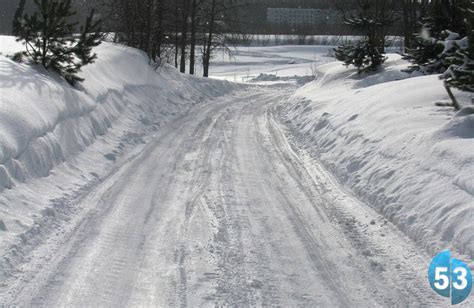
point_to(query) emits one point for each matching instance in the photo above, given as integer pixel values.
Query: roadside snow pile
(273, 79)
(63, 141)
(386, 140)
(44, 121)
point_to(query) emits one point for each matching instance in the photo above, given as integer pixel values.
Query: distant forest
(249, 16)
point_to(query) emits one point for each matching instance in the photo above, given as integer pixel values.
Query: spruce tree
(90, 37)
(372, 19)
(425, 56)
(460, 73)
(48, 35)
(444, 23)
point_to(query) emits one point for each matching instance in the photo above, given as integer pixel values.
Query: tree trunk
(149, 29)
(176, 35)
(192, 56)
(159, 30)
(184, 32)
(452, 97)
(406, 25)
(45, 37)
(208, 46)
(18, 15)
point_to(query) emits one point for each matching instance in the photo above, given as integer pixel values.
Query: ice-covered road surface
(220, 210)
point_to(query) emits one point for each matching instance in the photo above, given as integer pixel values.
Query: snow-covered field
(146, 188)
(245, 64)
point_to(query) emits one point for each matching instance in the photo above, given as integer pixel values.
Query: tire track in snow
(221, 211)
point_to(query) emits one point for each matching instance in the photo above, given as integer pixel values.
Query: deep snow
(382, 134)
(80, 167)
(385, 139)
(61, 140)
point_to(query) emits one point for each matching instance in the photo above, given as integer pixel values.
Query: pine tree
(49, 40)
(90, 37)
(372, 19)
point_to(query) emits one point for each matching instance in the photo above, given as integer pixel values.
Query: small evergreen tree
(363, 55)
(444, 24)
(49, 40)
(372, 20)
(447, 14)
(425, 56)
(460, 73)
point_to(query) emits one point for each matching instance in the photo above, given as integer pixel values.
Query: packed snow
(147, 187)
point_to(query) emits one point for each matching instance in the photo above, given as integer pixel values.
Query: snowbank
(386, 140)
(63, 141)
(44, 121)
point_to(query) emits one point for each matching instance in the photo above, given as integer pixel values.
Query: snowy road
(220, 210)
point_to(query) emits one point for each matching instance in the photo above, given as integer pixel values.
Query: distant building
(299, 16)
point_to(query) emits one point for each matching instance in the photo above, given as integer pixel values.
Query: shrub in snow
(425, 56)
(460, 73)
(428, 55)
(371, 19)
(48, 37)
(363, 55)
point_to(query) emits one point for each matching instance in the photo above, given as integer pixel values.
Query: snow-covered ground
(146, 188)
(383, 136)
(61, 141)
(245, 64)
(386, 140)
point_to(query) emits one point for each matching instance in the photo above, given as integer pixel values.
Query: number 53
(442, 278)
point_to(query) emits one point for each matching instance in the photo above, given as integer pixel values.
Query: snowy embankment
(386, 140)
(59, 139)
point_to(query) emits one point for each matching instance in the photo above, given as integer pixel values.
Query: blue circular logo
(450, 278)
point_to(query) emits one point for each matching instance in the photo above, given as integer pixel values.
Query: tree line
(175, 30)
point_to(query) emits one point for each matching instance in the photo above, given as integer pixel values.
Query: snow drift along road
(61, 140)
(385, 139)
